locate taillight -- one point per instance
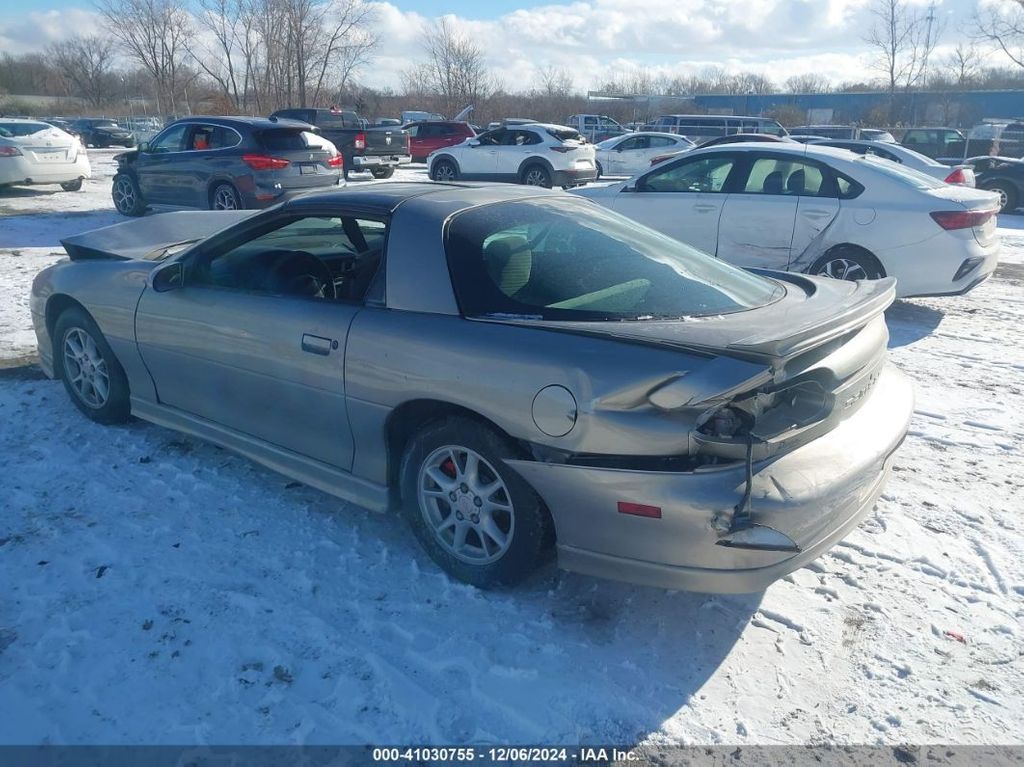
(10, 151)
(337, 161)
(264, 162)
(660, 158)
(956, 177)
(360, 142)
(961, 219)
(562, 149)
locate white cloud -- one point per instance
(594, 39)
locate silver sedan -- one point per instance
(516, 370)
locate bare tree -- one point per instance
(554, 82)
(963, 65)
(152, 33)
(809, 82)
(902, 38)
(85, 63)
(456, 66)
(1003, 24)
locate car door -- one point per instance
(756, 225)
(517, 145)
(656, 145)
(255, 354)
(682, 198)
(622, 157)
(817, 206)
(480, 158)
(157, 168)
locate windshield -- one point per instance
(902, 173)
(10, 130)
(565, 259)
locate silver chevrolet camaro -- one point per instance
(517, 370)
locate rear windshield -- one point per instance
(565, 134)
(283, 139)
(902, 173)
(565, 259)
(11, 130)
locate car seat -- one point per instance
(772, 183)
(509, 263)
(796, 183)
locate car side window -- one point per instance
(318, 257)
(493, 138)
(171, 140)
(782, 176)
(636, 142)
(656, 142)
(704, 174)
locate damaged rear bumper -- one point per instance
(813, 495)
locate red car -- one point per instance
(430, 135)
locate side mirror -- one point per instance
(474, 142)
(143, 146)
(170, 277)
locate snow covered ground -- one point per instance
(158, 589)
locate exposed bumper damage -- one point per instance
(811, 496)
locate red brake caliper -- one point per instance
(448, 467)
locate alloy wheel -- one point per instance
(535, 177)
(444, 172)
(843, 269)
(124, 195)
(85, 368)
(224, 199)
(466, 504)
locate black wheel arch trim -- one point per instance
(535, 160)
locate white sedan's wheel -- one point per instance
(843, 269)
(847, 263)
(467, 505)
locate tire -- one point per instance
(383, 172)
(444, 170)
(512, 512)
(847, 263)
(92, 375)
(600, 170)
(127, 195)
(536, 175)
(72, 186)
(225, 197)
(1007, 196)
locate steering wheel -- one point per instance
(298, 273)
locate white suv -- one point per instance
(536, 154)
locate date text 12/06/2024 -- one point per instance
(522, 755)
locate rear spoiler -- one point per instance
(869, 299)
(147, 238)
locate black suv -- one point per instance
(224, 163)
(102, 132)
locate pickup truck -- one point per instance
(377, 150)
(596, 127)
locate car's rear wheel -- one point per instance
(1007, 196)
(478, 519)
(537, 175)
(444, 170)
(127, 195)
(225, 197)
(383, 172)
(848, 263)
(93, 377)
(72, 186)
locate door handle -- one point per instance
(818, 213)
(318, 344)
(704, 207)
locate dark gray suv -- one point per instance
(224, 163)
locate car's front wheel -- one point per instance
(444, 170)
(225, 197)
(848, 263)
(93, 377)
(537, 175)
(72, 186)
(475, 516)
(1007, 196)
(127, 195)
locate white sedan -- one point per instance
(632, 153)
(818, 210)
(34, 152)
(961, 175)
